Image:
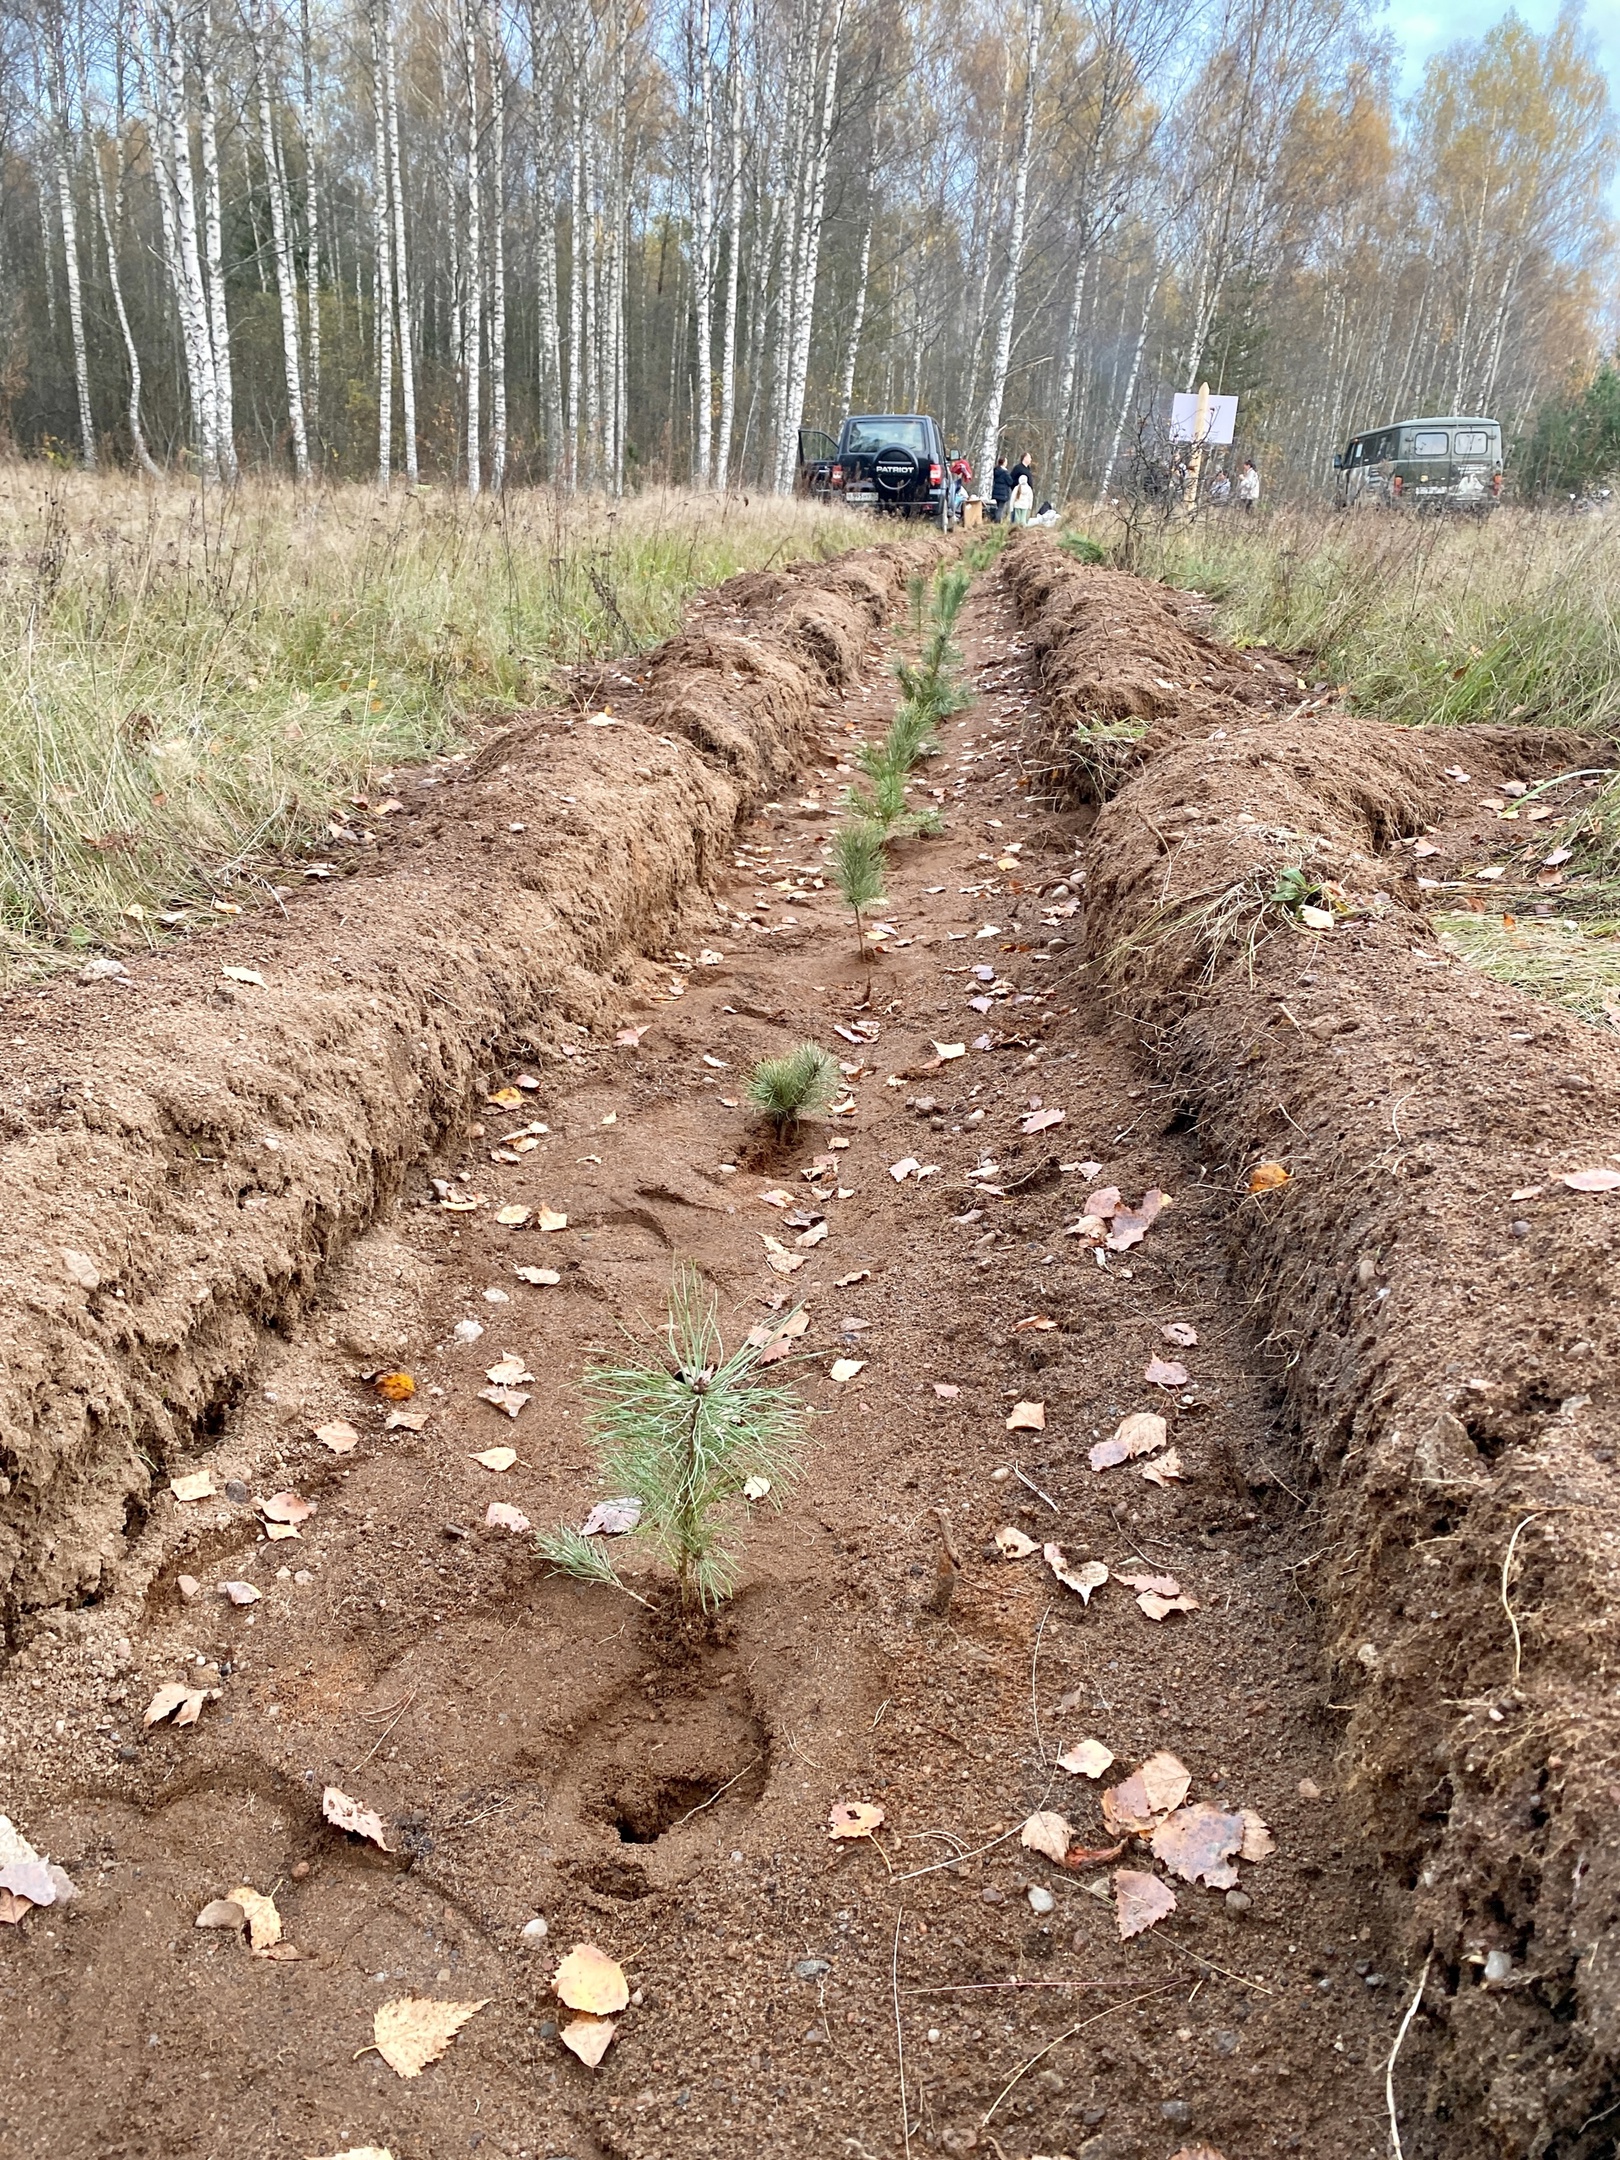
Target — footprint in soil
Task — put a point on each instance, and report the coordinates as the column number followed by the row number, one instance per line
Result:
column 664, row 1770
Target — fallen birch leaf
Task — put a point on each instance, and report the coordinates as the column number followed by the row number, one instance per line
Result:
column 395, row 1386
column 1258, row 1842
column 346, row 1814
column 1142, row 1433
column 1160, row 1585
column 845, row 1368
column 509, row 1399
column 195, row 1485
column 1267, row 1176
column 756, row 1488
column 1592, row 1180
column 1197, row 2152
column 946, row 1390
column 854, row 1818
column 406, row 1421
column 1035, row 1324
column 1140, row 1902
column 243, row 975
column 175, row 1695
column 588, row 2038
column 612, row 1518
column 631, row 1036
column 13, row 1908
column 1166, row 1471
column 1165, row 1372
column 241, row 1593
column 1138, row 1802
column 588, row 1979
column 1014, row 1544
column 1158, row 1607
column 1089, row 1576
column 906, row 1167
column 1087, row 1758
column 1041, row 1121
column 221, row 1912
column 537, row 1275
column 263, row 1921
column 945, row 1052
column 276, row 1530
column 848, row 1282
column 1047, row 1832
column 1103, row 1203
column 1027, row 1417
column 777, row 1197
column 340, row 1438
column 505, row 1098
column 414, row 2030
column 499, row 1516
column 1180, row 1332
column 508, row 1371
column 513, row 1218
column 546, row 1218
column 286, row 1507
column 497, row 1458
column 815, row 1235
column 1197, row 1843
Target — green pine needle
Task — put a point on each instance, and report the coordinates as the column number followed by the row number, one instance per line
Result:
column 799, row 1085
column 584, row 1558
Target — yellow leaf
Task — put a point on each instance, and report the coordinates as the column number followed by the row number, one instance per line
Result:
column 506, row 1098
column 588, row 1979
column 1267, row 1176
column 395, row 1386
column 195, row 1485
column 414, row 2031
column 854, row 1818
column 1027, row 1417
column 588, row 2038
column 263, row 1921
column 497, row 1458
column 513, row 1217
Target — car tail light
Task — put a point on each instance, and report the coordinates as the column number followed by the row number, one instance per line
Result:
column 934, row 476
column 1496, row 483
column 836, row 476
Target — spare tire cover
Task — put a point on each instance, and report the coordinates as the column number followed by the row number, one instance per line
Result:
column 895, row 470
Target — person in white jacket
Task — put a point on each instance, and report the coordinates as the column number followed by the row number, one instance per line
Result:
column 1248, row 487
column 1023, row 501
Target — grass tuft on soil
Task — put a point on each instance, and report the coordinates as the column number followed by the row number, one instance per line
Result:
column 192, row 682
column 1561, row 961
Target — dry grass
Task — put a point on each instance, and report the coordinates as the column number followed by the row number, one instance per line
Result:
column 1562, row 961
column 188, row 683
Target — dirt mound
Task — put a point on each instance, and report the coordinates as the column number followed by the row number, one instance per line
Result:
column 1113, row 656
column 1440, row 1308
column 189, row 1144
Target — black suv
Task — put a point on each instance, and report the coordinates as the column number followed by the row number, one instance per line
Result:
column 886, row 461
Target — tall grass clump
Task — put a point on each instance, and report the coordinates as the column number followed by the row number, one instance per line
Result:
column 191, row 682
column 686, row 1431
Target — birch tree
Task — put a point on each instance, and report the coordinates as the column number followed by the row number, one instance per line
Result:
column 281, row 231
column 1007, row 299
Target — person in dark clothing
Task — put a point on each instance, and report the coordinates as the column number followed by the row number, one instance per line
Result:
column 1001, row 488
column 1023, row 470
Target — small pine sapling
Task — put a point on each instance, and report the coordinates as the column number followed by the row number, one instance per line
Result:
column 950, row 593
column 857, row 861
column 916, row 595
column 688, row 1432
column 800, row 1085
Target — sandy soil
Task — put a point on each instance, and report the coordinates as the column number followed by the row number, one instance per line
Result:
column 536, row 1748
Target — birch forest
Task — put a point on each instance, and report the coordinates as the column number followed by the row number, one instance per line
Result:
column 600, row 242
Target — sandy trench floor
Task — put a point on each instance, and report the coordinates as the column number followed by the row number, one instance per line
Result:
column 539, row 1748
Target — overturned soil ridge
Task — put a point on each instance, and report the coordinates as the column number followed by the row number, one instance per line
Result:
column 1441, row 1316
column 186, row 1147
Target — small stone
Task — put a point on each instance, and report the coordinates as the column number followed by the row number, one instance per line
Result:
column 1376, row 1979
column 302, row 1575
column 548, row 2028
column 127, row 1753
column 533, row 1931
column 1225, row 2042
column 992, row 1897
column 1177, row 2113
column 188, row 1587
column 300, row 1870
column 811, row 1968
column 1041, row 1899
column 1238, row 1901
column 1309, row 1790
column 1519, row 1228
column 236, row 1492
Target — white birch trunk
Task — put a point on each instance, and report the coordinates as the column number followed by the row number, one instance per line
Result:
column 473, row 345
column 312, row 213
column 382, row 222
column 809, row 263
column 219, row 329
column 1001, row 357
column 497, row 267
column 734, row 201
column 70, row 248
column 281, row 241
column 191, row 300
column 402, row 282
column 137, row 433
column 549, row 357
column 701, row 75
column 857, row 323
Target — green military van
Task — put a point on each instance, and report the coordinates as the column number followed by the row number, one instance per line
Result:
column 1449, row 463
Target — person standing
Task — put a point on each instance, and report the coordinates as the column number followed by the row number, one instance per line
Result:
column 1023, row 470
column 1001, row 488
column 1220, row 489
column 1022, row 501
column 1248, row 487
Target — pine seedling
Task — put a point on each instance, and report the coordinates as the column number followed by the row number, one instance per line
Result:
column 800, row 1085
column 950, row 593
column 688, row 1432
column 916, row 594
column 881, row 801
column 910, row 738
column 857, row 861
column 585, row 1558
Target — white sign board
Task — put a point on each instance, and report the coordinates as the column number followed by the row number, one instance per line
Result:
column 1220, row 427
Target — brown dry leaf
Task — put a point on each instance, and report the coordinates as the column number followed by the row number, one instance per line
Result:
column 346, row 1814
column 537, row 1274
column 191, row 1709
column 13, row 1907
column 1140, row 1901
column 499, row 1516
column 1258, row 1842
column 815, row 1235
column 1267, row 1176
column 287, row 1507
column 1158, row 1607
column 395, row 1386
column 1197, row 1843
column 1180, row 1332
column 1087, row 1758
column 1013, row 1543
column 1166, row 1471
column 631, row 1036
column 1592, row 1180
column 588, row 2038
column 1041, row 1120
column 854, row 1818
column 512, row 1218
column 1027, row 1417
column 1154, row 1790
column 275, row 1530
column 406, row 1421
column 1165, row 1372
column 263, row 1921
column 167, row 1701
column 195, row 1485
column 612, row 1518
column 946, row 1390
column 1160, row 1585
column 546, row 1218
column 509, row 1399
column 221, row 1912
column 778, row 1258
column 1035, row 1324
column 845, row 1368
column 414, row 2031
column 509, row 1371
column 506, row 1098
column 497, row 1458
column 1198, row 2152
column 340, row 1438
column 1103, row 1203
column 848, row 1282
column 588, row 1979
column 1141, row 1433
column 1088, row 1576
column 1049, row 1833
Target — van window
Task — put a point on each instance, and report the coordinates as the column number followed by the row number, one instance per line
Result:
column 1471, row 442
column 861, row 437
column 1428, row 442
